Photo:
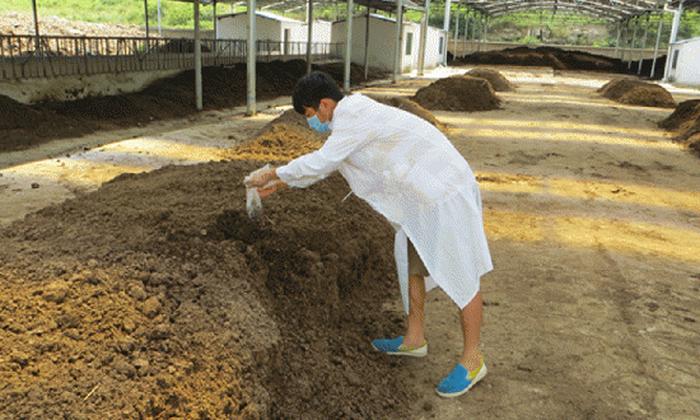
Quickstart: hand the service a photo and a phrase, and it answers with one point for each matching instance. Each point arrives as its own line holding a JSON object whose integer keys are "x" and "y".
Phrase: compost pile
{"x": 412, "y": 107}
{"x": 636, "y": 92}
{"x": 458, "y": 93}
{"x": 498, "y": 82}
{"x": 559, "y": 59}
{"x": 289, "y": 136}
{"x": 284, "y": 138}
{"x": 685, "y": 121}
{"x": 157, "y": 296}
{"x": 27, "y": 125}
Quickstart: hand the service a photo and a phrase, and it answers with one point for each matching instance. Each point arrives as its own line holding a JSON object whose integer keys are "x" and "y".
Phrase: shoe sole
{"x": 476, "y": 380}
{"x": 419, "y": 352}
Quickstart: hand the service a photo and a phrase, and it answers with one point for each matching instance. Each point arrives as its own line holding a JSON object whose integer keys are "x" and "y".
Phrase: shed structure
{"x": 381, "y": 45}
{"x": 684, "y": 62}
{"x": 271, "y": 27}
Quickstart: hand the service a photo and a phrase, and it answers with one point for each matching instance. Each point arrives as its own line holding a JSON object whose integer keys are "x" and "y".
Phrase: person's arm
{"x": 315, "y": 166}
{"x": 310, "y": 168}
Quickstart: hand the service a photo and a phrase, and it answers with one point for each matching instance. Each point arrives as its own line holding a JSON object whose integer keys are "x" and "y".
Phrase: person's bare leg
{"x": 415, "y": 333}
{"x": 471, "y": 329}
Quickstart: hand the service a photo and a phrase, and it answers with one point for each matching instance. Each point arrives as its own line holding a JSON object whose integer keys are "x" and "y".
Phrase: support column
{"x": 145, "y": 13}
{"x": 486, "y": 28}
{"x": 467, "y": 18}
{"x": 423, "y": 38}
{"x": 446, "y": 28}
{"x": 634, "y": 39}
{"x": 656, "y": 46}
{"x": 37, "y": 37}
{"x": 310, "y": 38}
{"x": 644, "y": 45}
{"x": 397, "y": 39}
{"x": 623, "y": 41}
{"x": 348, "y": 46}
{"x": 481, "y": 33}
{"x": 216, "y": 24}
{"x": 160, "y": 28}
{"x": 672, "y": 40}
{"x": 251, "y": 56}
{"x": 197, "y": 58}
{"x": 476, "y": 33}
{"x": 456, "y": 33}
{"x": 617, "y": 39}
{"x": 367, "y": 23}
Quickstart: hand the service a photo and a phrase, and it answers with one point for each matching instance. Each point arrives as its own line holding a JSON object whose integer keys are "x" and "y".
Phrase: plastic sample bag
{"x": 253, "y": 203}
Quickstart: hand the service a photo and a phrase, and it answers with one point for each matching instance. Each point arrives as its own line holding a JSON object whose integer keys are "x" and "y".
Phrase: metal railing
{"x": 26, "y": 57}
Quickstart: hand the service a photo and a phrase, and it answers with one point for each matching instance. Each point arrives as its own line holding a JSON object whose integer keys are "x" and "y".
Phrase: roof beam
{"x": 589, "y": 4}
{"x": 548, "y": 7}
{"x": 619, "y": 9}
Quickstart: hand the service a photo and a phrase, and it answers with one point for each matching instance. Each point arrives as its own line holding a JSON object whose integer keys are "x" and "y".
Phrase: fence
{"x": 27, "y": 57}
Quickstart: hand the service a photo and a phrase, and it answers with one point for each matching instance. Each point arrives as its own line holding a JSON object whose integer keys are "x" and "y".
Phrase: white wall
{"x": 235, "y": 27}
{"x": 382, "y": 34}
{"x": 687, "y": 69}
{"x": 322, "y": 31}
{"x": 433, "y": 57}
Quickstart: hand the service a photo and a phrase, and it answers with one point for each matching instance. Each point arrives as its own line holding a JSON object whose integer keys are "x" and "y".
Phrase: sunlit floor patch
{"x": 627, "y": 237}
{"x": 588, "y": 189}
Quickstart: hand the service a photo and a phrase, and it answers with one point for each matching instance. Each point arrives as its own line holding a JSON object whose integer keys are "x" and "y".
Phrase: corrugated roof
{"x": 609, "y": 9}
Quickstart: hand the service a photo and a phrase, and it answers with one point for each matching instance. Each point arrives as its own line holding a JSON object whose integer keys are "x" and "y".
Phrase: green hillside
{"x": 524, "y": 27}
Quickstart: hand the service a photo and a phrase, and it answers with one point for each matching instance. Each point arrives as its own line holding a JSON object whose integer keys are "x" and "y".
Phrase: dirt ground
{"x": 593, "y": 217}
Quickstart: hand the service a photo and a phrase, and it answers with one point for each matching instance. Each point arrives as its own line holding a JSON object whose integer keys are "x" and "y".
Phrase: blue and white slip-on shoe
{"x": 395, "y": 347}
{"x": 460, "y": 380}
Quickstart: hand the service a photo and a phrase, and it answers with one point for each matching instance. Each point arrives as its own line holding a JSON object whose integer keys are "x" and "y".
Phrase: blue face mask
{"x": 317, "y": 125}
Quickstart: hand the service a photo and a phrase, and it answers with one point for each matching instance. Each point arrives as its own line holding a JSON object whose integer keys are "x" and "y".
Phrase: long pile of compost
{"x": 23, "y": 126}
{"x": 636, "y": 92}
{"x": 410, "y": 106}
{"x": 559, "y": 59}
{"x": 157, "y": 296}
{"x": 289, "y": 136}
{"x": 685, "y": 121}
{"x": 498, "y": 82}
{"x": 458, "y": 93}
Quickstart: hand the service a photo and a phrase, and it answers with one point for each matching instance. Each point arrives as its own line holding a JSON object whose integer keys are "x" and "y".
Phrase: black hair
{"x": 313, "y": 87}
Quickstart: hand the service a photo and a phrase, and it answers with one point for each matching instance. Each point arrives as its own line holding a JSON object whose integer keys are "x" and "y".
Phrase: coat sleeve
{"x": 313, "y": 167}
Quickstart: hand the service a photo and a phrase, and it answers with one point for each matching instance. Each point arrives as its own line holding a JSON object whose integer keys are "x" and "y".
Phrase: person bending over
{"x": 407, "y": 170}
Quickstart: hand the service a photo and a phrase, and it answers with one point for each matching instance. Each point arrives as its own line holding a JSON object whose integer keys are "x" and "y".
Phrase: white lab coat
{"x": 408, "y": 171}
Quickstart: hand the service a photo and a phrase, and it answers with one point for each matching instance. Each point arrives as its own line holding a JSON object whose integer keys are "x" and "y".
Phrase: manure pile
{"x": 636, "y": 92}
{"x": 156, "y": 296}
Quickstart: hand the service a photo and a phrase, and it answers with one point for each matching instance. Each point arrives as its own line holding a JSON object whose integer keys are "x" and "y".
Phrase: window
{"x": 409, "y": 43}
{"x": 675, "y": 59}
{"x": 440, "y": 46}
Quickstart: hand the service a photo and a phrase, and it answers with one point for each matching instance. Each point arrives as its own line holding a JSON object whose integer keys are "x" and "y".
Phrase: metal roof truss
{"x": 606, "y": 9}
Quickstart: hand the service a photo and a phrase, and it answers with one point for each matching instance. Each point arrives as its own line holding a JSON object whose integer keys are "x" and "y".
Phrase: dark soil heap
{"x": 27, "y": 125}
{"x": 156, "y": 296}
{"x": 498, "y": 82}
{"x": 559, "y": 59}
{"x": 685, "y": 121}
{"x": 412, "y": 107}
{"x": 458, "y": 93}
{"x": 636, "y": 92}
